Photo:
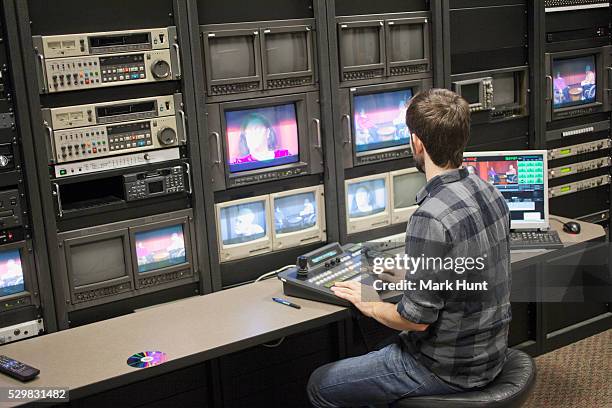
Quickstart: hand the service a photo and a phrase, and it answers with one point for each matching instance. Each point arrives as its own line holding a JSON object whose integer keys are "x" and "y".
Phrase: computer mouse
{"x": 571, "y": 227}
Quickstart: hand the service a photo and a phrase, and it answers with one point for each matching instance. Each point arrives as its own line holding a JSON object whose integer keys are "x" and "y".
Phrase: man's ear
{"x": 417, "y": 145}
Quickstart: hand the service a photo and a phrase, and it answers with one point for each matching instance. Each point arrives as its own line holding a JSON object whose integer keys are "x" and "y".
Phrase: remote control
{"x": 17, "y": 369}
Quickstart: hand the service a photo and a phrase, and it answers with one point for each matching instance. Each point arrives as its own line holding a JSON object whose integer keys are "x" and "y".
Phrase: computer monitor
{"x": 522, "y": 178}
{"x": 244, "y": 228}
{"x": 367, "y": 202}
{"x": 405, "y": 184}
{"x": 11, "y": 272}
{"x": 379, "y": 120}
{"x": 299, "y": 217}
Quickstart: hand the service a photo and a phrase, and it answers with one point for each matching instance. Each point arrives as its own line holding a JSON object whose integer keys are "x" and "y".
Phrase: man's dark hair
{"x": 441, "y": 120}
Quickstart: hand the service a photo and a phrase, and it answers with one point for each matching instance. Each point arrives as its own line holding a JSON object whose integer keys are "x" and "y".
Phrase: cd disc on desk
{"x": 146, "y": 359}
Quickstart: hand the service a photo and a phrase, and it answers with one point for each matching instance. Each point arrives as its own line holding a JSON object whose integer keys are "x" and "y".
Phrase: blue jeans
{"x": 377, "y": 378}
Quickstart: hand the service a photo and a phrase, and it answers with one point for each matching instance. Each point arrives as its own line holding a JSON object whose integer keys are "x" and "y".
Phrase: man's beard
{"x": 419, "y": 161}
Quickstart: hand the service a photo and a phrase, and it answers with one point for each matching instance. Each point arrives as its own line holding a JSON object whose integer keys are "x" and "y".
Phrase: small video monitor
{"x": 367, "y": 202}
{"x": 379, "y": 120}
{"x": 574, "y": 81}
{"x": 405, "y": 184}
{"x": 244, "y": 227}
{"x": 11, "y": 273}
{"x": 98, "y": 261}
{"x": 521, "y": 177}
{"x": 263, "y": 137}
{"x": 298, "y": 217}
{"x": 160, "y": 248}
{"x": 233, "y": 56}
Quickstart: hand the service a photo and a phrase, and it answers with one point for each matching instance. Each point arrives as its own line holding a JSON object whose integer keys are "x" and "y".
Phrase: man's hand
{"x": 364, "y": 298}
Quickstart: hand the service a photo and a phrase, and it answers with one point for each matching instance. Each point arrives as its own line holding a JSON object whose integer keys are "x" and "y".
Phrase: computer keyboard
{"x": 535, "y": 240}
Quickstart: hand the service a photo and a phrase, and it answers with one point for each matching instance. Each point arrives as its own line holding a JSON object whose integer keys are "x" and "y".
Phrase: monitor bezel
{"x": 523, "y": 225}
{"x": 289, "y": 27}
{"x": 301, "y": 112}
{"x": 603, "y": 59}
{"x": 263, "y": 245}
{"x": 420, "y": 18}
{"x": 187, "y": 266}
{"x": 401, "y": 215}
{"x": 222, "y": 31}
{"x": 482, "y": 103}
{"x": 316, "y": 233}
{"x": 68, "y": 243}
{"x": 27, "y": 269}
{"x": 360, "y": 22}
{"x": 369, "y": 222}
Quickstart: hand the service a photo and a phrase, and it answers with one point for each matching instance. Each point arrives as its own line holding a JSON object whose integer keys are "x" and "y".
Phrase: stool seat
{"x": 508, "y": 390}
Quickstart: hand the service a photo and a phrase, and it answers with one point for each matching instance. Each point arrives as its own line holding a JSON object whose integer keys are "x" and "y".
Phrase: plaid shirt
{"x": 459, "y": 216}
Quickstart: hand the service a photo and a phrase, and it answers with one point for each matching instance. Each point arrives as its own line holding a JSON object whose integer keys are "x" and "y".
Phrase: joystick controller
{"x": 302, "y": 265}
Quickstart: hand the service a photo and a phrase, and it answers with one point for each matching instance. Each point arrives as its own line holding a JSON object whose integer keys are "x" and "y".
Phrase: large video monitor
{"x": 379, "y": 47}
{"x": 18, "y": 284}
{"x": 367, "y": 203}
{"x": 379, "y": 120}
{"x": 522, "y": 178}
{"x": 244, "y": 228}
{"x": 258, "y": 56}
{"x": 576, "y": 82}
{"x": 405, "y": 184}
{"x": 265, "y": 139}
{"x": 298, "y": 217}
{"x": 373, "y": 120}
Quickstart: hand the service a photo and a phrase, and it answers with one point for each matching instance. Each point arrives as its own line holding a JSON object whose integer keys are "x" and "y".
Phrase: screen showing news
{"x": 574, "y": 81}
{"x": 367, "y": 198}
{"x": 11, "y": 274}
{"x": 520, "y": 179}
{"x": 379, "y": 120}
{"x": 295, "y": 213}
{"x": 261, "y": 137}
{"x": 160, "y": 248}
{"x": 242, "y": 223}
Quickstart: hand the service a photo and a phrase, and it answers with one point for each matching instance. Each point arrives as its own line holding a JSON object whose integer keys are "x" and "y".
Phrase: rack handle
{"x": 349, "y": 130}
{"x": 218, "y": 143}
{"x": 549, "y": 87}
{"x": 317, "y": 123}
{"x": 177, "y": 49}
{"x": 41, "y": 62}
{"x": 184, "y": 122}
{"x": 58, "y": 196}
{"x": 188, "y": 171}
{"x": 51, "y": 141}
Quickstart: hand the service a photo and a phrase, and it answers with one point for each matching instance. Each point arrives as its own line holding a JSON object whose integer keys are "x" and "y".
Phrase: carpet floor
{"x": 575, "y": 376}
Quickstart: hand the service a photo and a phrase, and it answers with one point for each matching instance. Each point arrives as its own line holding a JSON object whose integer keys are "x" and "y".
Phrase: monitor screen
{"x": 242, "y": 223}
{"x": 261, "y": 137}
{"x": 407, "y": 42}
{"x": 471, "y": 92}
{"x": 574, "y": 81}
{"x": 11, "y": 273}
{"x": 367, "y": 197}
{"x": 287, "y": 52}
{"x": 295, "y": 212}
{"x": 520, "y": 179}
{"x": 379, "y": 120}
{"x": 97, "y": 261}
{"x": 160, "y": 248}
{"x": 232, "y": 57}
{"x": 360, "y": 46}
{"x": 504, "y": 89}
{"x": 405, "y": 188}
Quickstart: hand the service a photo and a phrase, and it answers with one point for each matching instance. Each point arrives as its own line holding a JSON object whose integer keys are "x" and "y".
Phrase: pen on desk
{"x": 286, "y": 303}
